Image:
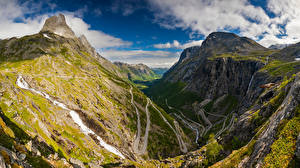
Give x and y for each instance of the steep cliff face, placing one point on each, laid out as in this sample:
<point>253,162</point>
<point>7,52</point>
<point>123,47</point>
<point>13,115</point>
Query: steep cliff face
<point>225,65</point>
<point>58,25</point>
<point>56,91</point>
<point>243,95</point>
<point>215,44</point>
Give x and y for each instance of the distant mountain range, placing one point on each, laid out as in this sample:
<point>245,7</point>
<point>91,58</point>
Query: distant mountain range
<point>137,72</point>
<point>160,71</point>
<point>279,46</point>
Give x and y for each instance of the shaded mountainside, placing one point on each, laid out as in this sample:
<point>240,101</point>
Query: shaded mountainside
<point>239,93</point>
<point>62,104</point>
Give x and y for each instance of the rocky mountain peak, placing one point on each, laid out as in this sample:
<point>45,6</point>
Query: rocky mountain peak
<point>58,25</point>
<point>189,52</point>
<point>221,35</point>
<point>219,42</point>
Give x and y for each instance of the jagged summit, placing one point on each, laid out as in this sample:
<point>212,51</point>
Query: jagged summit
<point>220,42</point>
<point>229,42</point>
<point>58,25</point>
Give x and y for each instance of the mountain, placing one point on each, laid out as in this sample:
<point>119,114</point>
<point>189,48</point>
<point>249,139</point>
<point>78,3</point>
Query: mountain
<point>137,72</point>
<point>228,103</point>
<point>278,46</point>
<point>63,105</point>
<point>240,98</point>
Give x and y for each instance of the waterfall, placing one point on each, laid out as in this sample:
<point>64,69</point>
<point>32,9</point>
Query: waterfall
<point>249,85</point>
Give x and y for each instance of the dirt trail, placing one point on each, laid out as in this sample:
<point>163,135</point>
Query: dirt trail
<point>137,139</point>
<point>228,126</point>
<point>144,147</point>
<point>187,123</point>
<point>181,143</point>
<point>136,143</point>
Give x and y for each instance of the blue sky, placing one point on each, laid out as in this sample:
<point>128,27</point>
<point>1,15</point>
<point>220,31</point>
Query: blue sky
<point>154,32</point>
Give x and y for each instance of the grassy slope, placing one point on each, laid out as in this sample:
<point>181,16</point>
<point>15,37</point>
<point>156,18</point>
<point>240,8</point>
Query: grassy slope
<point>78,80</point>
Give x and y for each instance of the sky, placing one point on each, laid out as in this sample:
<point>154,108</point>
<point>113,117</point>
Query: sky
<point>155,32</point>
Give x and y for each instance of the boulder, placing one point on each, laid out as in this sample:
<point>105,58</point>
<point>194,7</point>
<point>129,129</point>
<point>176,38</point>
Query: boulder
<point>2,162</point>
<point>76,163</point>
<point>21,156</point>
<point>268,85</point>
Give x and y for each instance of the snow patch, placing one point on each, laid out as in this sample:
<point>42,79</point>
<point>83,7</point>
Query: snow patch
<point>68,62</point>
<point>24,85</point>
<point>45,35</point>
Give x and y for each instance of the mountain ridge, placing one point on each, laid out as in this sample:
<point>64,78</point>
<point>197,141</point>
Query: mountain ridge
<point>228,103</point>
<point>68,99</point>
<point>235,89</point>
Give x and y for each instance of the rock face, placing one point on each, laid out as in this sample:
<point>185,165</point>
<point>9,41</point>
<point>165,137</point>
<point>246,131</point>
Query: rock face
<point>2,162</point>
<point>58,25</point>
<point>216,43</point>
<point>223,64</point>
<point>223,76</point>
<point>228,70</point>
<point>76,163</point>
<point>288,110</point>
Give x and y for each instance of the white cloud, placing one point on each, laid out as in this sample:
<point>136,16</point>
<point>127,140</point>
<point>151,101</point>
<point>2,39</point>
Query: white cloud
<point>10,10</point>
<point>287,15</point>
<point>150,58</point>
<point>97,38</point>
<point>176,44</point>
<point>204,17</point>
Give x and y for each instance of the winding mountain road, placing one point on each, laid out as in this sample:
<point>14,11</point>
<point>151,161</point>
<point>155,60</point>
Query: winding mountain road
<point>186,123</point>
<point>181,143</point>
<point>228,127</point>
<point>144,148</point>
<point>137,139</point>
<point>136,143</point>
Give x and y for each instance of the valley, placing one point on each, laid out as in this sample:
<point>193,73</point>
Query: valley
<point>230,102</point>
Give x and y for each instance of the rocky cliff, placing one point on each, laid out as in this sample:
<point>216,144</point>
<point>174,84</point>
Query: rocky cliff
<point>239,93</point>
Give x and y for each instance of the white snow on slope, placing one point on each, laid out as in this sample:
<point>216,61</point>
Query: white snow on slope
<point>45,35</point>
<point>24,85</point>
